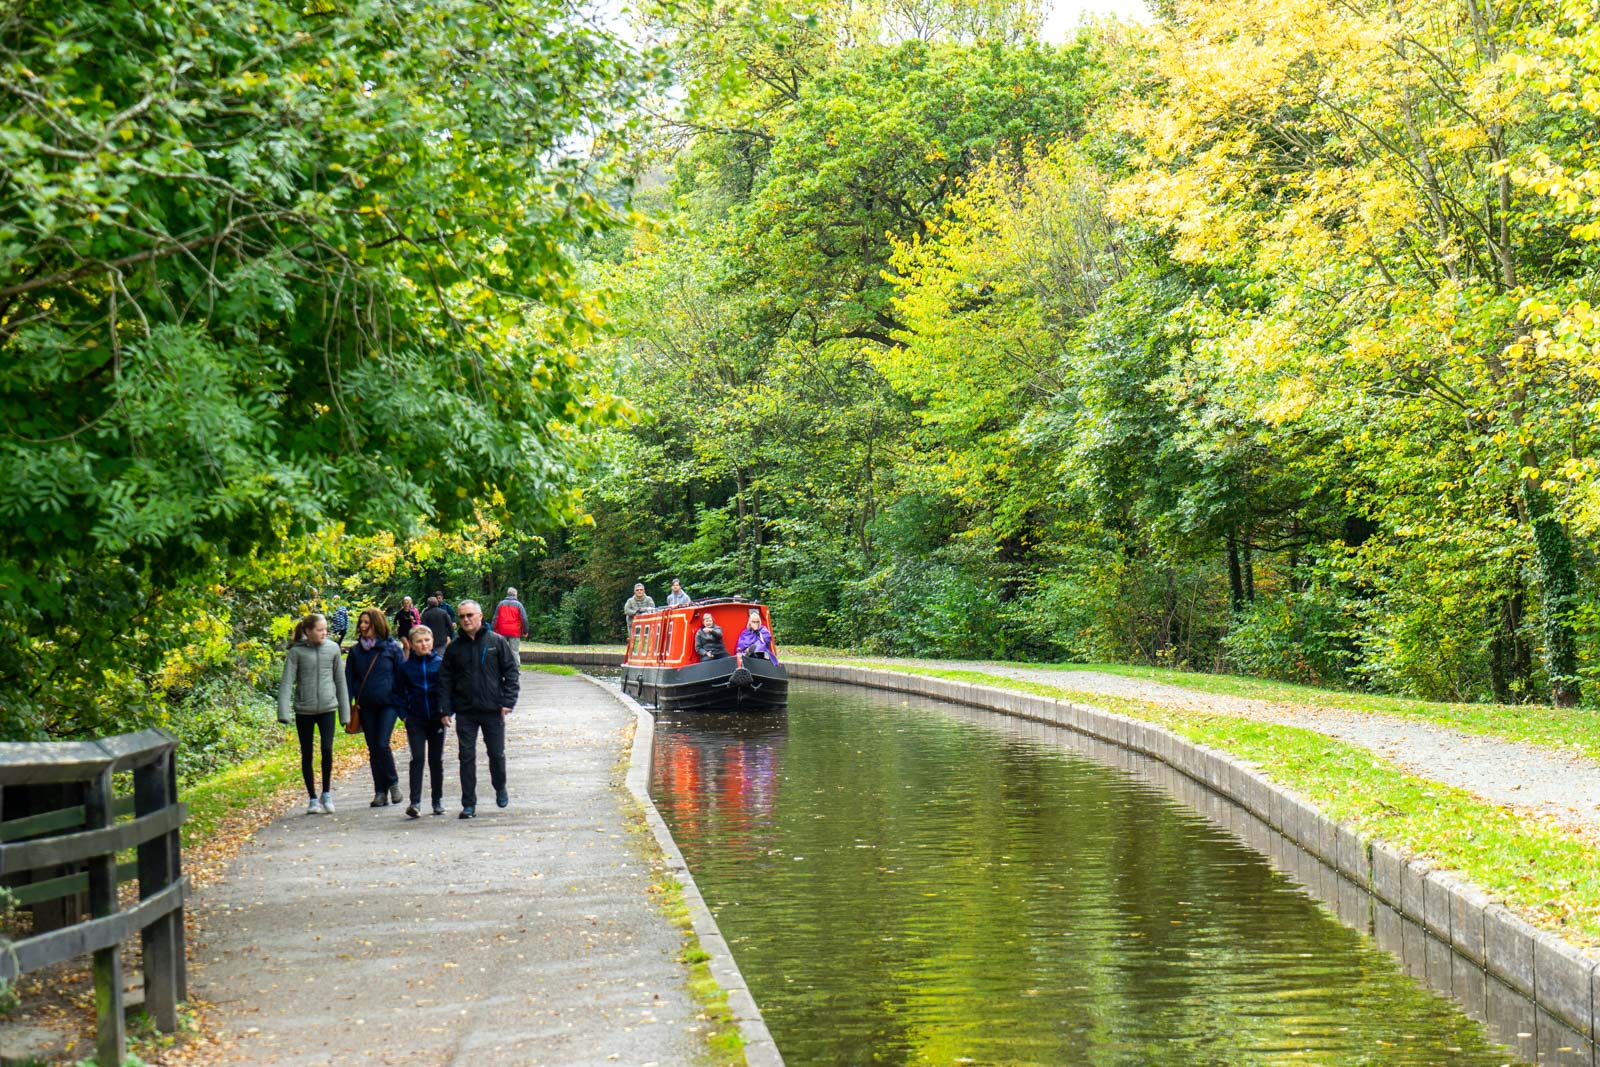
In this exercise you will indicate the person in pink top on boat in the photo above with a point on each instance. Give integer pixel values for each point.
(755, 640)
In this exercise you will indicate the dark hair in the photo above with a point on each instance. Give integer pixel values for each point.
(377, 621)
(305, 626)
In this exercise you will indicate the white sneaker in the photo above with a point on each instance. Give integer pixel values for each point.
(315, 807)
(327, 803)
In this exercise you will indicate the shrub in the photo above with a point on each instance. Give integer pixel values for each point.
(578, 615)
(1303, 637)
(222, 722)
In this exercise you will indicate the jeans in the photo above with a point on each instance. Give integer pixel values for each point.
(493, 725)
(307, 726)
(378, 726)
(427, 743)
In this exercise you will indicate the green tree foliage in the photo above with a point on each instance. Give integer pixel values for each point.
(270, 267)
(1261, 337)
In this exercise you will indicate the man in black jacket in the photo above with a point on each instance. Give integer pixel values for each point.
(478, 685)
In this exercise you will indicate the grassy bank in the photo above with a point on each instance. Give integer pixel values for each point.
(1571, 730)
(1550, 876)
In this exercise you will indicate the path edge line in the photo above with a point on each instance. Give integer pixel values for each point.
(760, 1050)
(1553, 973)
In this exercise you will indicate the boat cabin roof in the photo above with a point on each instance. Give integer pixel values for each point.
(665, 637)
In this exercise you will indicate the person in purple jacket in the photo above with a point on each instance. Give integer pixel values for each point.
(755, 640)
(426, 722)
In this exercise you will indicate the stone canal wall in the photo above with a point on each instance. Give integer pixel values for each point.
(1559, 978)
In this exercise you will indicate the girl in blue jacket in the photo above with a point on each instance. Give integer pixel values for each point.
(425, 726)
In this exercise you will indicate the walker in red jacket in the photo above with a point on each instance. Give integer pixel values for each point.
(510, 620)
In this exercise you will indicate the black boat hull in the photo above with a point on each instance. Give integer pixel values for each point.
(710, 686)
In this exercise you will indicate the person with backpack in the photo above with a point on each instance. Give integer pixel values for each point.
(511, 621)
(311, 693)
(372, 673)
(425, 719)
(339, 624)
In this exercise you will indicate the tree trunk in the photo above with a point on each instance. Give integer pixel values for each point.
(1510, 659)
(1249, 573)
(1235, 575)
(1558, 588)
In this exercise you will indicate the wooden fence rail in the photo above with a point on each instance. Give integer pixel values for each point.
(89, 833)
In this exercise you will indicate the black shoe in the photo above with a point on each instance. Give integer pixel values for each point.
(412, 812)
(468, 813)
(381, 800)
(501, 798)
(438, 808)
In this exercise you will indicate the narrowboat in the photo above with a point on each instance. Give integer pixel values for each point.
(662, 667)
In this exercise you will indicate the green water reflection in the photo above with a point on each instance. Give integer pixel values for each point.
(901, 886)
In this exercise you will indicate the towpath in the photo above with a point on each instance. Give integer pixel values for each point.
(1546, 782)
(526, 936)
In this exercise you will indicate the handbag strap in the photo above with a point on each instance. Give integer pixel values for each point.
(362, 688)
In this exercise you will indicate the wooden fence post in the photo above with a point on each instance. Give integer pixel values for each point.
(175, 874)
(162, 939)
(99, 811)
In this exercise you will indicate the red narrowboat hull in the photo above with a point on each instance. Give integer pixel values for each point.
(661, 666)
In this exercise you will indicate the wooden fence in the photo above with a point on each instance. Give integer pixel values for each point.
(85, 837)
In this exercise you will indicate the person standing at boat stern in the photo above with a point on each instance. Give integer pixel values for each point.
(679, 597)
(372, 674)
(478, 687)
(639, 601)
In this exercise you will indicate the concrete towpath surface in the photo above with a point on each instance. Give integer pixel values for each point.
(524, 937)
(1546, 782)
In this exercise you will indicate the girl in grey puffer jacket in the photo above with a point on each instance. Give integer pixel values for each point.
(314, 686)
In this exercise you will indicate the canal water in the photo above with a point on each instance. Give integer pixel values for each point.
(904, 882)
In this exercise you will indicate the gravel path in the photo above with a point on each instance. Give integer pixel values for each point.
(525, 937)
(1535, 780)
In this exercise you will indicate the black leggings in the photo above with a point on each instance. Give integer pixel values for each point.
(307, 725)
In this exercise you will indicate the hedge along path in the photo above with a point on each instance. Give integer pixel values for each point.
(1547, 870)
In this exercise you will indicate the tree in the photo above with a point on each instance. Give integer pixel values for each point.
(1362, 167)
(273, 266)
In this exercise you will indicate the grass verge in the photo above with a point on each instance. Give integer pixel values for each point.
(550, 668)
(1571, 730)
(724, 1042)
(1549, 875)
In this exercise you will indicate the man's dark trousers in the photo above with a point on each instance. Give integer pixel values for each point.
(493, 725)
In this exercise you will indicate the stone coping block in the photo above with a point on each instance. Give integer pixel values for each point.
(1467, 905)
(1413, 890)
(1508, 948)
(1436, 890)
(1563, 981)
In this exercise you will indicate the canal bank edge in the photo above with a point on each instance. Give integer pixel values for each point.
(1552, 973)
(1557, 976)
(759, 1048)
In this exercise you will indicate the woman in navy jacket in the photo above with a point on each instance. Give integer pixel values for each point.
(372, 675)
